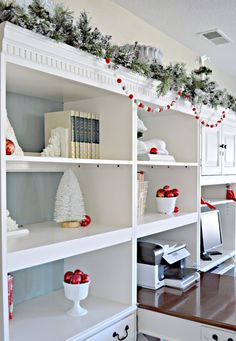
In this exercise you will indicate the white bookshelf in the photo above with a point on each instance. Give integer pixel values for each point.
(216, 259)
(32, 65)
(53, 164)
(49, 321)
(155, 222)
(47, 242)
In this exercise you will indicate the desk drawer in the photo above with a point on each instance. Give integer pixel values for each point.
(118, 329)
(216, 334)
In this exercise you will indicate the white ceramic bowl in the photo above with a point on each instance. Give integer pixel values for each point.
(165, 205)
(76, 293)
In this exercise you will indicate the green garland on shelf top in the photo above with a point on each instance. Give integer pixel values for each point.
(58, 23)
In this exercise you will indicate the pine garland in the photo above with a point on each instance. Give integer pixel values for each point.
(58, 23)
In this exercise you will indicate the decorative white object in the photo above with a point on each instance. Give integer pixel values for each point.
(12, 227)
(145, 146)
(149, 54)
(10, 134)
(140, 125)
(57, 144)
(76, 293)
(165, 205)
(69, 205)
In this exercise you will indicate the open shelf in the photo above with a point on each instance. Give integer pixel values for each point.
(47, 164)
(207, 180)
(206, 265)
(167, 163)
(45, 318)
(47, 242)
(217, 202)
(155, 222)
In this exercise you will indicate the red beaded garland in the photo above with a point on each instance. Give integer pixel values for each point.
(119, 80)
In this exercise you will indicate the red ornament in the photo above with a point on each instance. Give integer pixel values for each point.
(153, 150)
(141, 105)
(67, 277)
(168, 107)
(131, 96)
(160, 109)
(10, 147)
(119, 80)
(86, 221)
(76, 279)
(85, 278)
(78, 272)
(179, 93)
(212, 126)
(149, 109)
(176, 209)
(108, 60)
(160, 193)
(194, 109)
(202, 122)
(175, 191)
(197, 117)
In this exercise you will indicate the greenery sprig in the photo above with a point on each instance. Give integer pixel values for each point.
(58, 23)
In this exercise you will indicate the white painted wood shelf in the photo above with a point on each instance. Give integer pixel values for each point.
(45, 318)
(155, 222)
(167, 163)
(208, 180)
(216, 202)
(47, 242)
(206, 265)
(47, 164)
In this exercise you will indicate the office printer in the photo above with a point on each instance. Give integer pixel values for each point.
(162, 262)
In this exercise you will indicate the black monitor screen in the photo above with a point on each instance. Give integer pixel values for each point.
(211, 230)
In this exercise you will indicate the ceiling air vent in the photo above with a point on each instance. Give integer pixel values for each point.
(216, 37)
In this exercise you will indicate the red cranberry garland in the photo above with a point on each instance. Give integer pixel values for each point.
(209, 124)
(141, 105)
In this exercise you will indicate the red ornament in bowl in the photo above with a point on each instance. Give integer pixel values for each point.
(10, 147)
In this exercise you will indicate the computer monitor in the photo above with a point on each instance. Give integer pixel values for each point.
(211, 234)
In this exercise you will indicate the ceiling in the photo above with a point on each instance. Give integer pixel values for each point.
(183, 20)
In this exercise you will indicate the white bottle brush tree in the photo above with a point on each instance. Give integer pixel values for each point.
(69, 205)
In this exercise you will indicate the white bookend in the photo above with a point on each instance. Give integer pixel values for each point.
(65, 119)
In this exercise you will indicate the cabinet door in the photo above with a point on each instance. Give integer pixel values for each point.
(211, 151)
(211, 334)
(229, 154)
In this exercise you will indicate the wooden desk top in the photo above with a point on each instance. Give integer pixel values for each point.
(211, 301)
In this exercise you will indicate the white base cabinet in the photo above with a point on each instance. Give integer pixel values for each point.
(216, 334)
(122, 330)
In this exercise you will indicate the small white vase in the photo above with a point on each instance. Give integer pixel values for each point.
(76, 293)
(165, 205)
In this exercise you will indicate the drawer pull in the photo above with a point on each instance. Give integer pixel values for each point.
(215, 337)
(115, 334)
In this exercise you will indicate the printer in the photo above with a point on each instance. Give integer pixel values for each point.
(162, 262)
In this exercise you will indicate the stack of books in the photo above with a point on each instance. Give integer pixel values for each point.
(83, 132)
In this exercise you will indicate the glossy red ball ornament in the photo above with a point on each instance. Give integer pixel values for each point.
(86, 221)
(168, 107)
(119, 80)
(194, 109)
(10, 147)
(108, 60)
(197, 117)
(131, 96)
(67, 276)
(179, 93)
(141, 105)
(176, 209)
(153, 150)
(149, 109)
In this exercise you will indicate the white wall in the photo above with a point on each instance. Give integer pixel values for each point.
(125, 27)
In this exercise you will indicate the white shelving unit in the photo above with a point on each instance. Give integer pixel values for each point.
(35, 67)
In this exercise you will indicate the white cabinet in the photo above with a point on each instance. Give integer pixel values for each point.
(229, 154)
(219, 150)
(215, 334)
